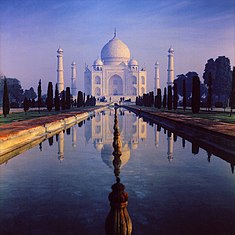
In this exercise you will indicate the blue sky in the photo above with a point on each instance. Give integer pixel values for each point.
(31, 32)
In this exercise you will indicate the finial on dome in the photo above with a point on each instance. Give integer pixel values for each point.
(115, 32)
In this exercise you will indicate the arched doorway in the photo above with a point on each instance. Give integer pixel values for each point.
(115, 85)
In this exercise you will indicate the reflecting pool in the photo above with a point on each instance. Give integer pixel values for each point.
(62, 185)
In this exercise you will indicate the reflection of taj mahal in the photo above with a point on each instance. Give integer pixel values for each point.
(100, 131)
(115, 74)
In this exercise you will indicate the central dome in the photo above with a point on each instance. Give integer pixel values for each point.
(115, 52)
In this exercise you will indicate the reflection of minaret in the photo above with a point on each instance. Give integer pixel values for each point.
(74, 136)
(170, 142)
(156, 136)
(118, 221)
(73, 80)
(170, 69)
(156, 78)
(61, 146)
(60, 70)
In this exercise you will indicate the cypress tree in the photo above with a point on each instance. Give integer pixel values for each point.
(80, 99)
(6, 103)
(159, 98)
(169, 99)
(164, 99)
(57, 99)
(68, 98)
(63, 101)
(39, 95)
(49, 100)
(176, 97)
(184, 95)
(26, 104)
(232, 96)
(196, 94)
(209, 95)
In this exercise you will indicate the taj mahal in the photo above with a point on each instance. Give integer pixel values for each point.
(115, 74)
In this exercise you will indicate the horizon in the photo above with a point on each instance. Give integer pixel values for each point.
(32, 31)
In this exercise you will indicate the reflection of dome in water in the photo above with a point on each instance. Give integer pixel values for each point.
(107, 155)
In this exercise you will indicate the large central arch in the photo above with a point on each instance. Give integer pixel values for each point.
(115, 85)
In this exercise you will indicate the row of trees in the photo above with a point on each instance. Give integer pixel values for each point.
(60, 101)
(170, 100)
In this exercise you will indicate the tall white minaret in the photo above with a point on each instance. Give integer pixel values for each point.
(171, 75)
(73, 80)
(156, 78)
(60, 70)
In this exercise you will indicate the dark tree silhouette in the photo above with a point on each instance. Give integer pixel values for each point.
(184, 95)
(49, 100)
(39, 95)
(68, 98)
(159, 98)
(80, 100)
(209, 95)
(63, 100)
(6, 103)
(232, 96)
(57, 99)
(164, 99)
(169, 98)
(26, 104)
(196, 95)
(176, 97)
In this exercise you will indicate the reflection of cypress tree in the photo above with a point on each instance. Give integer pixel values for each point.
(80, 124)
(68, 131)
(232, 167)
(6, 103)
(169, 133)
(175, 137)
(195, 148)
(50, 141)
(183, 142)
(40, 146)
(169, 98)
(57, 137)
(164, 131)
(209, 156)
(158, 127)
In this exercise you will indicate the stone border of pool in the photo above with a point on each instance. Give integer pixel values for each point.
(217, 137)
(20, 136)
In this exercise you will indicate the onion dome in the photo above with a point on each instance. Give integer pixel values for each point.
(98, 62)
(133, 62)
(171, 50)
(115, 52)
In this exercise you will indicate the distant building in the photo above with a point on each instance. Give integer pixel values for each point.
(115, 75)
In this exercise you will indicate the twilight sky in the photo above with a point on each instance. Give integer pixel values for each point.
(32, 30)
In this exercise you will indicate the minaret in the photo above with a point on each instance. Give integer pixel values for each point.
(61, 146)
(170, 69)
(74, 136)
(73, 80)
(156, 136)
(170, 142)
(60, 70)
(156, 78)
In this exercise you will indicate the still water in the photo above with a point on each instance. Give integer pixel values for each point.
(62, 185)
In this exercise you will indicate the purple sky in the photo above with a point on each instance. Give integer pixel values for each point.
(32, 30)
